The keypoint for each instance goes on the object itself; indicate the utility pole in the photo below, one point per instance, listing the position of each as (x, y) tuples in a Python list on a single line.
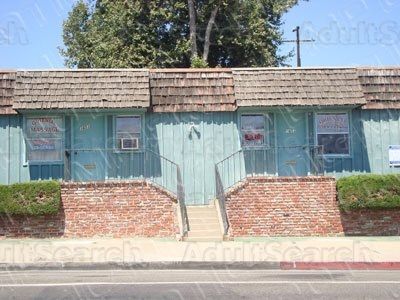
[(298, 41)]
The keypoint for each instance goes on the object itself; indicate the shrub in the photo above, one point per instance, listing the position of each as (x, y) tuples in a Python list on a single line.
[(369, 191), (32, 198)]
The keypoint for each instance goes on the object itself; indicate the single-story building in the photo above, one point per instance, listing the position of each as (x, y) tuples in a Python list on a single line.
[(198, 131)]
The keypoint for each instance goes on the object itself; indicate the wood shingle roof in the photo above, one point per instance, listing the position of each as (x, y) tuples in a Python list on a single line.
[(192, 90), (297, 87), (82, 89), (185, 90), (381, 87), (7, 85)]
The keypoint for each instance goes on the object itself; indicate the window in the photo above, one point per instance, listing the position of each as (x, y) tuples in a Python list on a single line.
[(44, 139), (253, 130), (128, 131), (333, 133)]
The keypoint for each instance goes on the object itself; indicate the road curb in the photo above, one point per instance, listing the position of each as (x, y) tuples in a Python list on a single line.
[(340, 265), (175, 265), (209, 265)]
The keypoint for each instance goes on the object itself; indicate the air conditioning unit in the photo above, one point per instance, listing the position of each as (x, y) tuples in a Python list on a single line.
[(129, 144)]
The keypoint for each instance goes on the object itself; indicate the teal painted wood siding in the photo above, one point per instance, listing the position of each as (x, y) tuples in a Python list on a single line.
[(195, 141), (13, 167), (372, 132)]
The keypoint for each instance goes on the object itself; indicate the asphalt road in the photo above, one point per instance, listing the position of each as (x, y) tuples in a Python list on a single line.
[(199, 284)]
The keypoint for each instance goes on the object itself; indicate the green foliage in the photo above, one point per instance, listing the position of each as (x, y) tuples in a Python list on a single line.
[(32, 198), (155, 33), (369, 191), (198, 62)]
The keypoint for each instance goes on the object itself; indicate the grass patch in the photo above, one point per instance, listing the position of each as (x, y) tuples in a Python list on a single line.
[(369, 191), (31, 198)]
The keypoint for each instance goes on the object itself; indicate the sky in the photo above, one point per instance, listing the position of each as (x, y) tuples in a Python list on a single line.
[(346, 32)]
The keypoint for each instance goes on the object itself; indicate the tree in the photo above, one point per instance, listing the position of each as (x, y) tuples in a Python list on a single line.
[(174, 33)]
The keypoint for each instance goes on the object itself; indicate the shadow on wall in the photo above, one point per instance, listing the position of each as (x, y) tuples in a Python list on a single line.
[(45, 226), (371, 222)]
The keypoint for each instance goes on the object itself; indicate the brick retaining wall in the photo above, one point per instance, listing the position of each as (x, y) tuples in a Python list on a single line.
[(260, 206), (284, 206), (300, 206), (383, 222), (112, 209)]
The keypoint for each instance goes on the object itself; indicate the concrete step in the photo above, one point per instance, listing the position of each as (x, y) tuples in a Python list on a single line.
[(205, 233), (200, 227), (202, 214), (203, 239), (204, 224)]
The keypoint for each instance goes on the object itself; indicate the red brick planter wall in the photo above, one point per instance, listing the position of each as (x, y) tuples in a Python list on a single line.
[(371, 222), (113, 209), (284, 206)]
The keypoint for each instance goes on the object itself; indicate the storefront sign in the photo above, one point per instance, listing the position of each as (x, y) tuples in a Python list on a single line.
[(332, 123), (394, 155), (42, 144), (43, 125), (253, 137)]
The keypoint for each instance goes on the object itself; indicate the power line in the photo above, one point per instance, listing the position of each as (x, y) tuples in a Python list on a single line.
[(298, 41)]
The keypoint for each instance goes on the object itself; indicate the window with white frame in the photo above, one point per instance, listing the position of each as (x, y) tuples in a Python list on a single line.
[(333, 133), (253, 130), (127, 132), (44, 136)]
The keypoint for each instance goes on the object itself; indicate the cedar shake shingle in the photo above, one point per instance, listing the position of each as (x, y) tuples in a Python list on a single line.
[(7, 84), (82, 89), (297, 87), (381, 87), (174, 90)]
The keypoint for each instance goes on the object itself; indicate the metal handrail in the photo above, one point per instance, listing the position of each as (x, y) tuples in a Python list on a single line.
[(316, 167), (315, 154), (181, 202), (148, 174), (220, 195)]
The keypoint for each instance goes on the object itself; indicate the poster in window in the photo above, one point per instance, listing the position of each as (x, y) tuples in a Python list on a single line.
[(332, 123), (43, 144), (44, 138), (45, 149), (253, 138)]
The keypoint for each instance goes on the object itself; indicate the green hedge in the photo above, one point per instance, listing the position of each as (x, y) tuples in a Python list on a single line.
[(369, 191), (32, 198)]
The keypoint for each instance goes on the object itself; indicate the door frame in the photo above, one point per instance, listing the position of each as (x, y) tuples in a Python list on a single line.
[(73, 135)]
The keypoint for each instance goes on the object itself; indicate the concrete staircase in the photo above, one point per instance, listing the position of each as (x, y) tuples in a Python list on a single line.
[(204, 224)]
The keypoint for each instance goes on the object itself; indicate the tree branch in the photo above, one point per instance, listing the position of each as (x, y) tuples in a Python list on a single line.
[(193, 28), (207, 35)]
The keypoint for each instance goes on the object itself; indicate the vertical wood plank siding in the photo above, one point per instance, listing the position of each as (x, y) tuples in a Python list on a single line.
[(12, 165), (372, 133), (215, 136), (196, 149)]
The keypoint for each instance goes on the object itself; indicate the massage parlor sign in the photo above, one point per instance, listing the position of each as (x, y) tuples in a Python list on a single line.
[(43, 132)]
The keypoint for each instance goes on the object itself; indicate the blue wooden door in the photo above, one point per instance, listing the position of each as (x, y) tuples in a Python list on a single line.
[(193, 161), (88, 148), (291, 139)]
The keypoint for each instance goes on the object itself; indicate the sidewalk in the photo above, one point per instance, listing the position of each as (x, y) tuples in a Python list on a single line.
[(287, 253)]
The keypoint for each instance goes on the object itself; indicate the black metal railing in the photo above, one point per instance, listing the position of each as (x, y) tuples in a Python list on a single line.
[(112, 164), (181, 201), (250, 162), (245, 163), (220, 196)]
